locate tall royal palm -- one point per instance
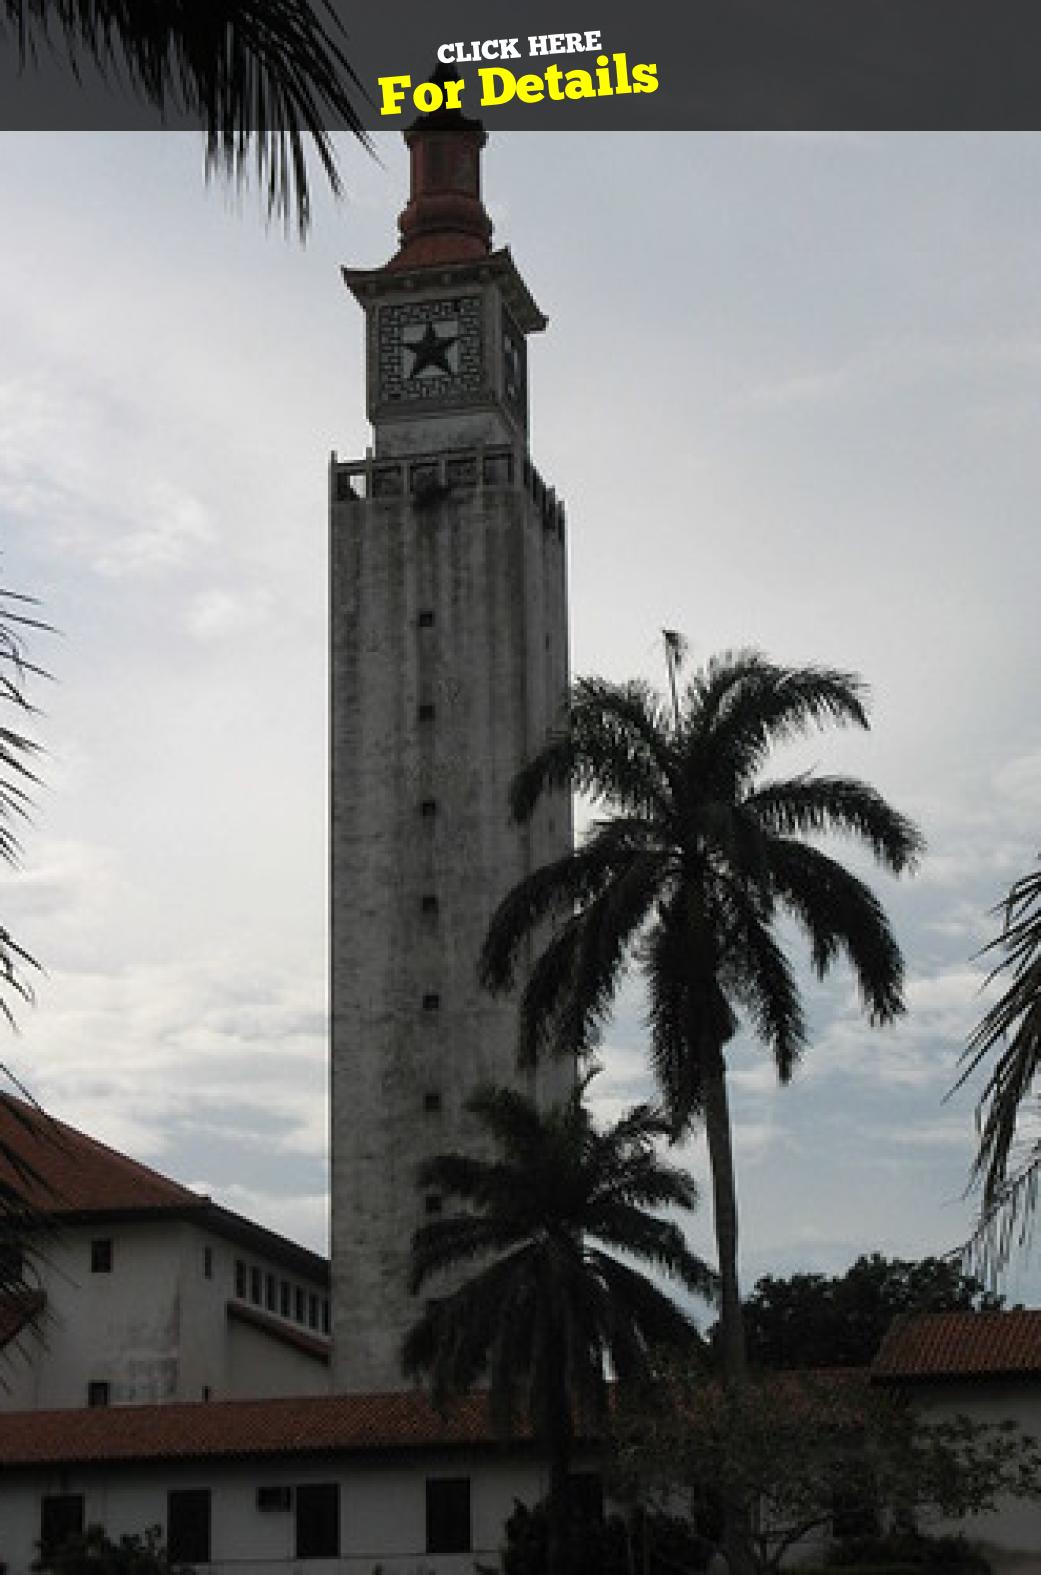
(694, 860)
(263, 78)
(548, 1305)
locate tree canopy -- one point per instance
(819, 1321)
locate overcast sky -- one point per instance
(791, 392)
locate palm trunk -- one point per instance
(559, 1469)
(736, 1518)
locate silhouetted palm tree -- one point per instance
(262, 77)
(695, 859)
(549, 1307)
(1013, 1026)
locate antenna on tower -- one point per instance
(675, 651)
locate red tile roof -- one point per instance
(961, 1345)
(75, 1174)
(238, 1428)
(75, 1177)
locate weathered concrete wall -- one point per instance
(449, 663)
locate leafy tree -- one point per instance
(694, 859)
(264, 77)
(816, 1320)
(94, 1553)
(548, 1305)
(803, 1449)
(1011, 1028)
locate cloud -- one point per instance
(206, 1059)
(220, 613)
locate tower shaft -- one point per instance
(449, 666)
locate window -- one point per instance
(240, 1278)
(426, 711)
(585, 1491)
(99, 1392)
(270, 1293)
(312, 1311)
(426, 619)
(448, 1514)
(325, 1315)
(298, 1304)
(61, 1517)
(285, 1298)
(256, 1286)
(431, 1001)
(428, 808)
(431, 1102)
(101, 1255)
(428, 902)
(318, 1520)
(274, 1500)
(188, 1525)
(207, 1263)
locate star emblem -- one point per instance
(432, 351)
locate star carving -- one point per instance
(431, 351)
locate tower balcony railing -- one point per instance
(430, 477)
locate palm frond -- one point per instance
(613, 748)
(557, 889)
(743, 705)
(840, 914)
(262, 77)
(814, 804)
(757, 974)
(1014, 1022)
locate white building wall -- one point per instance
(155, 1328)
(382, 1508)
(1011, 1536)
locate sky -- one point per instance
(791, 393)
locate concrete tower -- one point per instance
(449, 664)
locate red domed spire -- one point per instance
(444, 220)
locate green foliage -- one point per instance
(798, 1446)
(816, 1320)
(1012, 1029)
(94, 1553)
(548, 1304)
(18, 754)
(912, 1551)
(264, 78)
(591, 1545)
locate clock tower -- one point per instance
(449, 666)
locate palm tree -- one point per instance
(549, 1306)
(1013, 1026)
(260, 76)
(692, 863)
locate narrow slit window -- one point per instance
(429, 903)
(426, 711)
(431, 1001)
